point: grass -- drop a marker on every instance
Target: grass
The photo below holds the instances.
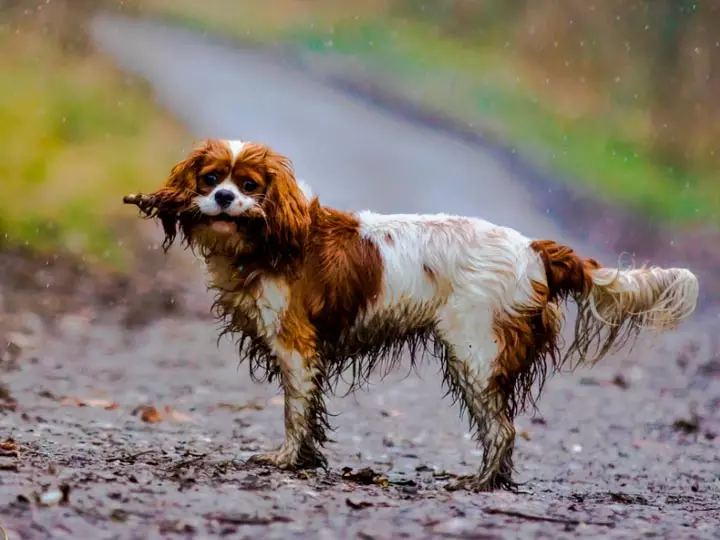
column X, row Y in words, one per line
column 603, row 148
column 77, row 135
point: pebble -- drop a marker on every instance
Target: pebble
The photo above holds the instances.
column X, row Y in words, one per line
column 455, row 527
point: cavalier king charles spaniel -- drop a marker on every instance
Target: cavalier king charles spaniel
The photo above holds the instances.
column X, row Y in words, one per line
column 312, row 292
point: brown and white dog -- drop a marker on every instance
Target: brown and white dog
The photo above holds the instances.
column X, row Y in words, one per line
column 311, row 291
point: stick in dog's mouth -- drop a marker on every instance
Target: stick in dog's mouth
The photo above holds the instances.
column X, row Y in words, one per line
column 148, row 204
column 140, row 200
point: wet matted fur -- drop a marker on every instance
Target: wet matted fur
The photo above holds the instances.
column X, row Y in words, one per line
column 314, row 294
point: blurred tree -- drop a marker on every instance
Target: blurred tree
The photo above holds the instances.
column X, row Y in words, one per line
column 672, row 20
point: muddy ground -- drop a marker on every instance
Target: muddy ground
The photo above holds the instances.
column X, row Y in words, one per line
column 129, row 422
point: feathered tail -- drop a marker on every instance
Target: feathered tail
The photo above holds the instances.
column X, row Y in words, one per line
column 614, row 305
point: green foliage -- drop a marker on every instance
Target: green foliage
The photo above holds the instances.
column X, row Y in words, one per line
column 77, row 135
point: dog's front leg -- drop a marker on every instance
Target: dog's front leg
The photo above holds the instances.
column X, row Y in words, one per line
column 302, row 382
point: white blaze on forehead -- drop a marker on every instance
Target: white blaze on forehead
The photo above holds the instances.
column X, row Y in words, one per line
column 235, row 147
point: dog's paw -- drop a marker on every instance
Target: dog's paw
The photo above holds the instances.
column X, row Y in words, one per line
column 277, row 459
column 477, row 484
column 290, row 460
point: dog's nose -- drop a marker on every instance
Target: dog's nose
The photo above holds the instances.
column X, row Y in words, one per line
column 224, row 198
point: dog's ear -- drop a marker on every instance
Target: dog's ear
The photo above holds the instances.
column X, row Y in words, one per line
column 175, row 197
column 286, row 206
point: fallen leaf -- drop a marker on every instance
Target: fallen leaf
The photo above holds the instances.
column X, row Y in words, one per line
column 525, row 435
column 358, row 505
column 687, row 426
column 149, row 414
column 9, row 445
column 277, row 400
column 247, row 519
column 118, row 515
column 365, row 477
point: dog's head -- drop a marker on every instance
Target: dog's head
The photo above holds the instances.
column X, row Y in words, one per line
column 234, row 197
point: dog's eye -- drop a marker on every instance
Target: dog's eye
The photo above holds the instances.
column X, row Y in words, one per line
column 210, row 179
column 250, row 185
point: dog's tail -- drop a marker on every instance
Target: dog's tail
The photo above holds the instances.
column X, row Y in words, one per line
column 614, row 305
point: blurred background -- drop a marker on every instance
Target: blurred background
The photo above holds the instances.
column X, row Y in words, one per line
column 616, row 100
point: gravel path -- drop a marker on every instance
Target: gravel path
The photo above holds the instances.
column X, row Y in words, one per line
column 145, row 429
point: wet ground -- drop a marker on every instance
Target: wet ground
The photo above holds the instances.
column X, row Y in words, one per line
column 142, row 432
column 126, row 420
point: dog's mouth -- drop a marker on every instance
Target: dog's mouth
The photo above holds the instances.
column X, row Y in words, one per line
column 223, row 223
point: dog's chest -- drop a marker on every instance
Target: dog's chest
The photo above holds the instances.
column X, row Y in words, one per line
column 254, row 309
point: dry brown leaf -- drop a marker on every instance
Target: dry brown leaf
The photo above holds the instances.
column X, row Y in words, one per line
column 9, row 445
column 150, row 415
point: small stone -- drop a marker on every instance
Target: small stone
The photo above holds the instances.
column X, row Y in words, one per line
column 455, row 527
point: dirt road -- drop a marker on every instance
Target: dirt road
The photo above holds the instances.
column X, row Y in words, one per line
column 148, row 425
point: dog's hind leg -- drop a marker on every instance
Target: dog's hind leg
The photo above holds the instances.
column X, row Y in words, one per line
column 471, row 353
column 494, row 359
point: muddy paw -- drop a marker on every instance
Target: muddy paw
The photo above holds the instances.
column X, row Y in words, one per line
column 476, row 484
column 274, row 459
column 283, row 459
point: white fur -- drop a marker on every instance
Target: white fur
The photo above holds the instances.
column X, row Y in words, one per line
column 476, row 269
column 271, row 303
column 235, row 147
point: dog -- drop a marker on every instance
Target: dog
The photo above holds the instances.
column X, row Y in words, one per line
column 312, row 292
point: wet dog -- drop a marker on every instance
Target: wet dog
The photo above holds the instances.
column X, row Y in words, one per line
column 313, row 292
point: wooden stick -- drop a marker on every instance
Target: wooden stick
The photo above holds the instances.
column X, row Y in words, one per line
column 139, row 199
column 146, row 203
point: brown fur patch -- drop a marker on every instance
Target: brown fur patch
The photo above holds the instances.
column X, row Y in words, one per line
column 283, row 204
column 525, row 342
column 567, row 273
column 342, row 272
column 529, row 340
